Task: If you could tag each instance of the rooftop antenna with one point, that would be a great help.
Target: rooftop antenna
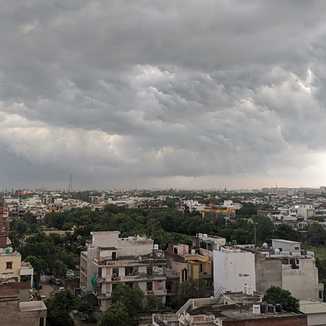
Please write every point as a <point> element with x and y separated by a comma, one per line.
<point>70,183</point>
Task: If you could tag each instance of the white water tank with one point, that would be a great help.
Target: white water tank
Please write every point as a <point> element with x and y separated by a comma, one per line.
<point>256,309</point>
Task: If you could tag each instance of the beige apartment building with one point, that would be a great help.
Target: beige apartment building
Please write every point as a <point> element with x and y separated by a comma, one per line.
<point>111,260</point>
<point>13,269</point>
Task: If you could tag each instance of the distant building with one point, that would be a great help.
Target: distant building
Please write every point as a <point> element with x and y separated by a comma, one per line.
<point>111,260</point>
<point>4,225</point>
<point>305,211</point>
<point>205,244</point>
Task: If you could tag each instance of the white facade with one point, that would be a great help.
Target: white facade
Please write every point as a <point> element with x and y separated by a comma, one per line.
<point>305,211</point>
<point>286,247</point>
<point>234,271</point>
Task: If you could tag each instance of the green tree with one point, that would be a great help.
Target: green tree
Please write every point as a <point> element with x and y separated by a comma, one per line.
<point>59,308</point>
<point>276,295</point>
<point>247,210</point>
<point>88,305</point>
<point>132,299</point>
<point>316,234</point>
<point>117,315</point>
<point>39,265</point>
<point>284,231</point>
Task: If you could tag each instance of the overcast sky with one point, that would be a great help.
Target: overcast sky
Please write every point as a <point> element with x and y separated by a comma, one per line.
<point>148,93</point>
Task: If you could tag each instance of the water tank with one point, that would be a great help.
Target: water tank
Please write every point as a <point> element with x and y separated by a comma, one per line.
<point>256,309</point>
<point>263,308</point>
<point>271,308</point>
<point>155,246</point>
<point>277,251</point>
<point>265,245</point>
<point>278,307</point>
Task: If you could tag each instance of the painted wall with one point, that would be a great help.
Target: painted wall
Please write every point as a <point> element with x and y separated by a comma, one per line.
<point>234,270</point>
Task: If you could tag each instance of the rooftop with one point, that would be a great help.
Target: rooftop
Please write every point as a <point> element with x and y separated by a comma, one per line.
<point>312,307</point>
<point>29,306</point>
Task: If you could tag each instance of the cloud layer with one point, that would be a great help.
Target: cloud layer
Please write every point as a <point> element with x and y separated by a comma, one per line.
<point>162,93</point>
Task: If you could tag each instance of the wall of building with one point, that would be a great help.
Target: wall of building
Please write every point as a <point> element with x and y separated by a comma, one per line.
<point>234,270</point>
<point>12,316</point>
<point>316,319</point>
<point>286,321</point>
<point>286,246</point>
<point>302,282</point>
<point>15,259</point>
<point>268,273</point>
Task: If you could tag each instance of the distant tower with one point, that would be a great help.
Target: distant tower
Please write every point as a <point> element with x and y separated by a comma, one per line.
<point>4,225</point>
<point>70,183</point>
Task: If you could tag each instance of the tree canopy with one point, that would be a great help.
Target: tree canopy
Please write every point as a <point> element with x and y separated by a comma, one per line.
<point>276,295</point>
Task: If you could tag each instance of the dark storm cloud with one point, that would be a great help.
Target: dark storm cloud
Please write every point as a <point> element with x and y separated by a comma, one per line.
<point>124,92</point>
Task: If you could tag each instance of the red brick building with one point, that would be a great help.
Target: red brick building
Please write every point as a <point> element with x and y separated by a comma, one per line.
<point>4,225</point>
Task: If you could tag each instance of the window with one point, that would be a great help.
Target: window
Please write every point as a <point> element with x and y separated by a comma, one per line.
<point>175,250</point>
<point>131,271</point>
<point>184,275</point>
<point>115,271</point>
<point>114,255</point>
<point>149,270</point>
<point>201,268</point>
<point>8,265</point>
<point>149,286</point>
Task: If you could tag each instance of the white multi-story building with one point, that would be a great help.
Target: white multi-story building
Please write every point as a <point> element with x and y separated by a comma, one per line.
<point>234,271</point>
<point>305,211</point>
<point>111,260</point>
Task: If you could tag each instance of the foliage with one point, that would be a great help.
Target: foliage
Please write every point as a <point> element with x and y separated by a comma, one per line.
<point>127,303</point>
<point>316,234</point>
<point>284,231</point>
<point>131,298</point>
<point>88,305</point>
<point>247,210</point>
<point>59,308</point>
<point>117,315</point>
<point>276,295</point>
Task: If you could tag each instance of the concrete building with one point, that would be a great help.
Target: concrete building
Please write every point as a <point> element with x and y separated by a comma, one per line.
<point>286,247</point>
<point>225,311</point>
<point>111,260</point>
<point>315,312</point>
<point>13,312</point>
<point>234,271</point>
<point>285,265</point>
<point>305,211</point>
<point>12,269</point>
<point>4,225</point>
<point>188,264</point>
<point>205,244</point>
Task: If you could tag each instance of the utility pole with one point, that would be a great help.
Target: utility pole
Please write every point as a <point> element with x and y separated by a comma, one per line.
<point>70,183</point>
